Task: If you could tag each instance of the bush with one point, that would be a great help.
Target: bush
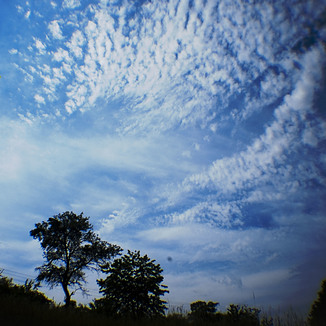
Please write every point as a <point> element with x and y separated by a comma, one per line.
<point>201,310</point>
<point>28,291</point>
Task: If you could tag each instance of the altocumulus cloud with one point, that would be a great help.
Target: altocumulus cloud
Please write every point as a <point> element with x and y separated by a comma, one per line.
<point>187,129</point>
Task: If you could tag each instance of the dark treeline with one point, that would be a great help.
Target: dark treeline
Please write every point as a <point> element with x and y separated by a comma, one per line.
<point>131,291</point>
<point>26,305</point>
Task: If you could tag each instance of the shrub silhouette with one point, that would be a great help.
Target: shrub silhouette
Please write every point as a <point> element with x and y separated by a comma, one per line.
<point>243,315</point>
<point>28,291</point>
<point>201,310</point>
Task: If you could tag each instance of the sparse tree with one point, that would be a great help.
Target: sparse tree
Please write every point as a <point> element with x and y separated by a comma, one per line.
<point>69,248</point>
<point>317,315</point>
<point>132,288</point>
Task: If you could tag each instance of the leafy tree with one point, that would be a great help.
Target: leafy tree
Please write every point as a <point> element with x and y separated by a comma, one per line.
<point>132,288</point>
<point>317,315</point>
<point>69,248</point>
<point>201,310</point>
<point>243,315</point>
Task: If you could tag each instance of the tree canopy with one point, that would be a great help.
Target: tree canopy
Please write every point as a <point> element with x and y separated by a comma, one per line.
<point>203,310</point>
<point>69,248</point>
<point>133,287</point>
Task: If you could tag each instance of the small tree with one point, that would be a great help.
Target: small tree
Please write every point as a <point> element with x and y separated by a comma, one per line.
<point>201,310</point>
<point>317,315</point>
<point>69,248</point>
<point>133,287</point>
<point>243,315</point>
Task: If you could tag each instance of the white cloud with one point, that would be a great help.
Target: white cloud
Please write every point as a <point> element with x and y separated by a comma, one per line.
<point>262,289</point>
<point>309,138</point>
<point>55,29</point>
<point>201,242</point>
<point>39,99</point>
<point>175,74</point>
<point>57,73</point>
<point>261,280</point>
<point>13,51</point>
<point>20,9</point>
<point>71,4</point>
<point>76,42</point>
<point>258,161</point>
<point>62,55</point>
<point>221,215</point>
<point>31,158</point>
<point>25,250</point>
<point>27,14</point>
<point>70,106</point>
<point>40,46</point>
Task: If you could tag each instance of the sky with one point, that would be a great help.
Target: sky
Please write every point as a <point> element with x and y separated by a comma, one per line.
<point>191,130</point>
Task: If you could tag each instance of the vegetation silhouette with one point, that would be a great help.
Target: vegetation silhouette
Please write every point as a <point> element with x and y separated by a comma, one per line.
<point>243,315</point>
<point>69,248</point>
<point>317,315</point>
<point>132,288</point>
<point>201,310</point>
<point>25,305</point>
<point>28,291</point>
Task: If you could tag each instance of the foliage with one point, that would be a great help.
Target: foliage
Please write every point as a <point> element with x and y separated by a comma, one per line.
<point>132,288</point>
<point>17,309</point>
<point>243,315</point>
<point>266,321</point>
<point>317,315</point>
<point>69,248</point>
<point>203,310</point>
<point>28,291</point>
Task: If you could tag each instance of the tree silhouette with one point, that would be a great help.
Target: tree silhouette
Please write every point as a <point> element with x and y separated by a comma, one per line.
<point>201,310</point>
<point>243,315</point>
<point>69,248</point>
<point>317,315</point>
<point>133,287</point>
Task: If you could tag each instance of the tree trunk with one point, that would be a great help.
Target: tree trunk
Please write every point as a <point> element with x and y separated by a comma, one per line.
<point>67,295</point>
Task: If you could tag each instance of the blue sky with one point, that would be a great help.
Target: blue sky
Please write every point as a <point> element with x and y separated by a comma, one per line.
<point>193,131</point>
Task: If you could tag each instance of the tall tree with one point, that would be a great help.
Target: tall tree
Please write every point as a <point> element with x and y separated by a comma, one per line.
<point>69,248</point>
<point>133,287</point>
